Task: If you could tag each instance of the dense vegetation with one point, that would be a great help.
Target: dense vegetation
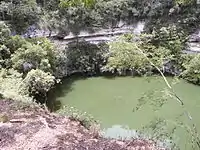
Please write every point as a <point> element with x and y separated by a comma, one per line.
<point>74,15</point>
<point>30,59</point>
<point>27,65</point>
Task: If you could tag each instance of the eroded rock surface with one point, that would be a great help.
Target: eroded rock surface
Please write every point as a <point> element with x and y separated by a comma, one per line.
<point>32,128</point>
<point>193,44</point>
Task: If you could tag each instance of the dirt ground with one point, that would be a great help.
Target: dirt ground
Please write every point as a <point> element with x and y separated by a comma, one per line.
<point>33,128</point>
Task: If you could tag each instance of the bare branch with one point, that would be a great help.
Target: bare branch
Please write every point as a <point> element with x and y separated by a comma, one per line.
<point>167,83</point>
<point>177,98</point>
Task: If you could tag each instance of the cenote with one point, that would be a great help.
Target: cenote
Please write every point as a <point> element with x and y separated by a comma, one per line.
<point>112,101</point>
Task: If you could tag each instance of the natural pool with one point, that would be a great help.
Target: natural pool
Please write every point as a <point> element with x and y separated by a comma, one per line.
<point>112,100</point>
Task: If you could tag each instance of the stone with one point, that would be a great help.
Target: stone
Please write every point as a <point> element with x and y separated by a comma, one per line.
<point>3,118</point>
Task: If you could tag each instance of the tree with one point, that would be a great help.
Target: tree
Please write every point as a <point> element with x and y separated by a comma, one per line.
<point>185,2</point>
<point>4,32</point>
<point>192,72</point>
<point>15,42</point>
<point>124,56</point>
<point>20,14</point>
<point>4,57</point>
<point>12,87</point>
<point>85,57</point>
<point>40,55</point>
<point>39,83</point>
<point>69,3</point>
<point>50,22</point>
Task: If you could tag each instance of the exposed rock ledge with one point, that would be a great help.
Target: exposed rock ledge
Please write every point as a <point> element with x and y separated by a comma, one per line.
<point>36,129</point>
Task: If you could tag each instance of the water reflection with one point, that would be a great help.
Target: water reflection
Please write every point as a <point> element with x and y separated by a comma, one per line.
<point>124,132</point>
<point>119,132</point>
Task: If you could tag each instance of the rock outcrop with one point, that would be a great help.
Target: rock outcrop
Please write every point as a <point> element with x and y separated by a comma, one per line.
<point>193,44</point>
<point>36,129</point>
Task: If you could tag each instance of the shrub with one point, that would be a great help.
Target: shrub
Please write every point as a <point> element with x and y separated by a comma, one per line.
<point>126,55</point>
<point>85,119</point>
<point>4,57</point>
<point>171,38</point>
<point>15,42</point>
<point>12,87</point>
<point>40,55</point>
<point>85,57</point>
<point>192,72</point>
<point>38,82</point>
<point>4,32</point>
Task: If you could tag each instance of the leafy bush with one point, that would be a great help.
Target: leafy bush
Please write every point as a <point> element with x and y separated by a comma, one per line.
<point>15,42</point>
<point>49,47</point>
<point>4,57</point>
<point>12,87</point>
<point>85,57</point>
<point>39,82</point>
<point>40,55</point>
<point>85,119</point>
<point>131,56</point>
<point>192,72</point>
<point>19,13</point>
<point>171,38</point>
<point>10,45</point>
<point>185,2</point>
<point>4,50</point>
<point>4,32</point>
<point>125,56</point>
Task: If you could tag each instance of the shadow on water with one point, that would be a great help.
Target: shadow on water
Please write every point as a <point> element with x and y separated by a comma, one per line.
<point>66,86</point>
<point>61,90</point>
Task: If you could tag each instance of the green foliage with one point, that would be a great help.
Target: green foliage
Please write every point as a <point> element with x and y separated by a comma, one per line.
<point>125,56</point>
<point>40,55</point>
<point>192,72</point>
<point>8,45</point>
<point>185,2</point>
<point>50,21</point>
<point>38,82</point>
<point>85,57</point>
<point>70,3</point>
<point>4,57</point>
<point>75,15</point>
<point>85,119</point>
<point>184,60</point>
<point>49,48</point>
<point>171,38</point>
<point>20,14</point>
<point>28,53</point>
<point>23,55</point>
<point>110,12</point>
<point>15,42</point>
<point>12,87</point>
<point>75,18</point>
<point>158,55</point>
<point>4,32</point>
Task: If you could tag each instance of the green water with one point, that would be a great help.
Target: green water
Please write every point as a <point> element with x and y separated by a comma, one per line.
<point>112,101</point>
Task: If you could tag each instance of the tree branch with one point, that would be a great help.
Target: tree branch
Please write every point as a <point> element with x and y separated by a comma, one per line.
<point>177,98</point>
<point>167,83</point>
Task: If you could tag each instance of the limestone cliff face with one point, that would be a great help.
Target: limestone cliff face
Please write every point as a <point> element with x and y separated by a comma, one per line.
<point>193,44</point>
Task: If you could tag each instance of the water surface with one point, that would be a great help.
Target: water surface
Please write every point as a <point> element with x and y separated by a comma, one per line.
<point>112,101</point>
